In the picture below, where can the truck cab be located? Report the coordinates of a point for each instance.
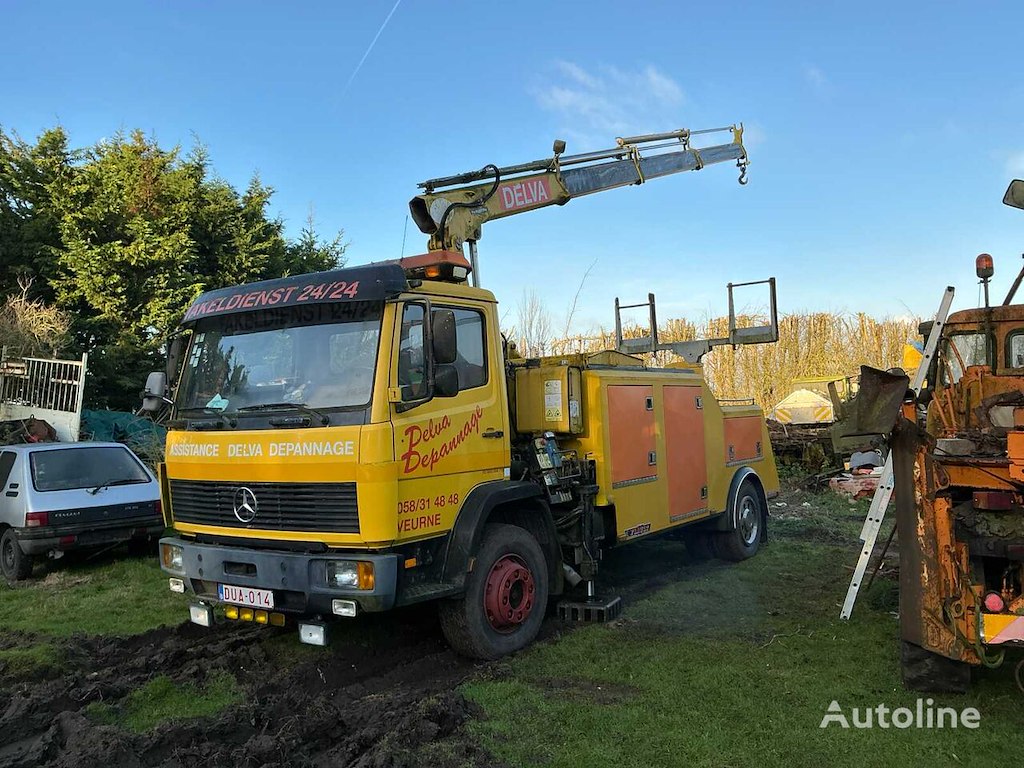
(977, 371)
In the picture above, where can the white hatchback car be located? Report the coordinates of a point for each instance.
(60, 496)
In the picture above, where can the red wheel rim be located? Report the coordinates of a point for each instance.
(508, 594)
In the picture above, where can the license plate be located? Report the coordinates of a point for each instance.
(257, 598)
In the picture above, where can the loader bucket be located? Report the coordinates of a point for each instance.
(877, 405)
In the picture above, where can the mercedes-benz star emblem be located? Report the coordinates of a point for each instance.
(245, 505)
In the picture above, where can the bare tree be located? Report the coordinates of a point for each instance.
(571, 313)
(30, 326)
(533, 325)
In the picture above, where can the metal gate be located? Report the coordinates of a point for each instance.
(45, 389)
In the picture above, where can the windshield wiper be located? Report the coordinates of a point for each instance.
(113, 481)
(324, 420)
(226, 420)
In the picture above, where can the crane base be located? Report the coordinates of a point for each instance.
(596, 609)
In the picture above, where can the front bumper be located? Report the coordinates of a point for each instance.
(37, 541)
(298, 580)
(1002, 629)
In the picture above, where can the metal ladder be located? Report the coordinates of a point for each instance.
(880, 501)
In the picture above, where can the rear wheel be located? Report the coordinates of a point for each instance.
(506, 595)
(924, 670)
(15, 564)
(745, 539)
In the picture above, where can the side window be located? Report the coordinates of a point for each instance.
(411, 373)
(1015, 350)
(471, 362)
(6, 464)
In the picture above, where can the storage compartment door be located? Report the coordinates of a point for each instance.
(743, 435)
(686, 459)
(631, 434)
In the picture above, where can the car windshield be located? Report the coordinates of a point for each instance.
(88, 467)
(962, 350)
(321, 356)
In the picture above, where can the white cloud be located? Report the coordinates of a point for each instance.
(662, 86)
(600, 104)
(816, 78)
(579, 75)
(1015, 163)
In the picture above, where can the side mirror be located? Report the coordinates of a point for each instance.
(445, 343)
(446, 381)
(154, 396)
(174, 349)
(443, 351)
(1014, 194)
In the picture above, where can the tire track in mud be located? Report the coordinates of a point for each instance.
(384, 694)
(353, 705)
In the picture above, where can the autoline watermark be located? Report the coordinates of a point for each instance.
(923, 715)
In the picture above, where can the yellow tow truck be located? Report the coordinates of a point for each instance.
(365, 438)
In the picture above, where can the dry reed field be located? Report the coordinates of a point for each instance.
(810, 345)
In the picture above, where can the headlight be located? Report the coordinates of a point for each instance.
(172, 556)
(353, 574)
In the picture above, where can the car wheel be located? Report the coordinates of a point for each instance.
(505, 599)
(15, 564)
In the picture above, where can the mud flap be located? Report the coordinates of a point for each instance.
(595, 610)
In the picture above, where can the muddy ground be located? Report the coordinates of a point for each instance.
(352, 705)
(384, 693)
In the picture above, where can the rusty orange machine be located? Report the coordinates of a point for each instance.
(959, 481)
(365, 438)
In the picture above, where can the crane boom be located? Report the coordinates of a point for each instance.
(452, 209)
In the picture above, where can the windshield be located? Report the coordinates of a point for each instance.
(70, 468)
(962, 350)
(320, 356)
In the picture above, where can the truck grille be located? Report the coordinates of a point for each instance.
(326, 507)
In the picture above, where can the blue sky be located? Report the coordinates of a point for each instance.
(881, 135)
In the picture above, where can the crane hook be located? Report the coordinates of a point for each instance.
(742, 165)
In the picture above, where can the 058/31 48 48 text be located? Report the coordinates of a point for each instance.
(423, 503)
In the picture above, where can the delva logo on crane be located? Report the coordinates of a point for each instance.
(524, 193)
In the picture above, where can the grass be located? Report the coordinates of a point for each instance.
(736, 665)
(122, 596)
(163, 700)
(827, 518)
(29, 660)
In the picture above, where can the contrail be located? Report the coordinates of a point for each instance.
(370, 47)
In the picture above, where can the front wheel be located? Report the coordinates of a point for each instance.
(745, 539)
(506, 595)
(15, 564)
